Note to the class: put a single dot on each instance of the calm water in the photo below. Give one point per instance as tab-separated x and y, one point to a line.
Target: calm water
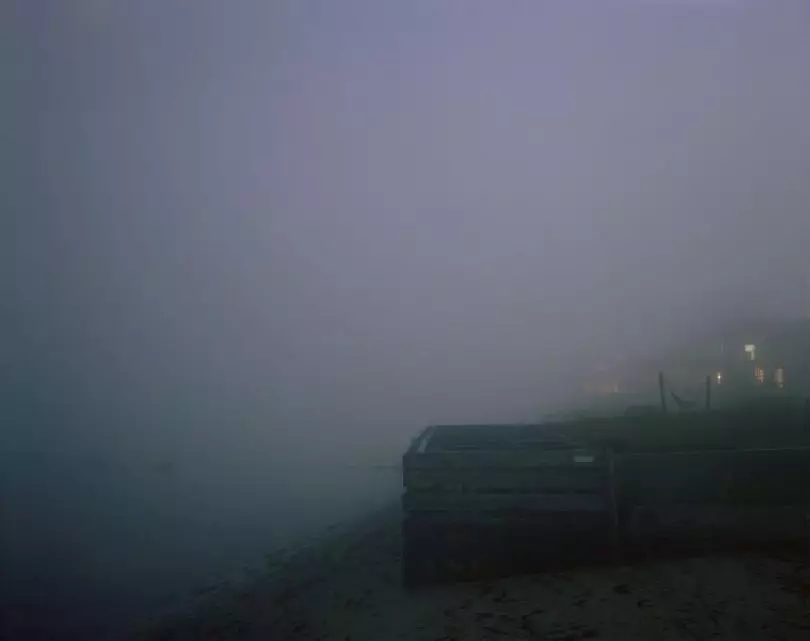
90	543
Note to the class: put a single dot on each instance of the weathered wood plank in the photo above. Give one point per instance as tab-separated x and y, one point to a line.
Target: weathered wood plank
461	502
764	476
503	459
741	523
524	478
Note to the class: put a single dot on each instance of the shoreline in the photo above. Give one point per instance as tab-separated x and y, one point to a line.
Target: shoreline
346	585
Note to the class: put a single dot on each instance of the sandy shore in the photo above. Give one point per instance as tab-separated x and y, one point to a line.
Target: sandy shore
347	587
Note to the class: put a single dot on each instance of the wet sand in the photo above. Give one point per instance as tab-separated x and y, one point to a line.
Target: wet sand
346	586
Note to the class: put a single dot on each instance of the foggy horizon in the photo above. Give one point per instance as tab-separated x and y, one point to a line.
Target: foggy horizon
276	234
332	213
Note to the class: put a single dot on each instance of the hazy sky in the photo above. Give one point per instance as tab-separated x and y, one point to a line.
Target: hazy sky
308	215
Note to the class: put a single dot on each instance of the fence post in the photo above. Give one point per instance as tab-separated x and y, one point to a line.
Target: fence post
614	505
661	390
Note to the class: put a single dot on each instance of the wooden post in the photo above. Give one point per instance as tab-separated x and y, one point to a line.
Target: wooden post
708	392
614	506
661	390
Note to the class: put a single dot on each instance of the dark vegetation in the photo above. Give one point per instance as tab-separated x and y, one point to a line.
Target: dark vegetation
772	423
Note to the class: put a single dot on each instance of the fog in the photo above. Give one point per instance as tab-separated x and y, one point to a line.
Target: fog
251	248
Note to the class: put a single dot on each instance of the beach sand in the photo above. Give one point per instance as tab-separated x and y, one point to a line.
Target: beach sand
346	586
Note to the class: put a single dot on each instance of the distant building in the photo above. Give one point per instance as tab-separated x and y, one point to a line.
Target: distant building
769	354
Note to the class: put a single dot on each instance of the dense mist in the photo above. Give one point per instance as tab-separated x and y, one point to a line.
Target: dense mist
251	246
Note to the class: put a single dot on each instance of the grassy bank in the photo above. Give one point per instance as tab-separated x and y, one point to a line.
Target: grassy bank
773	424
